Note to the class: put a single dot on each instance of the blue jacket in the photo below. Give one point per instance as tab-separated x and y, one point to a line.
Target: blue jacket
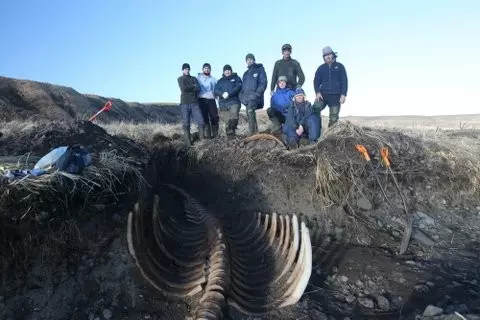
331	79
298	114
207	85
254	84
282	99
232	85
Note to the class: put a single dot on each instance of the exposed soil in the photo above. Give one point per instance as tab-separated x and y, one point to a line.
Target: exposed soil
357	273
31	100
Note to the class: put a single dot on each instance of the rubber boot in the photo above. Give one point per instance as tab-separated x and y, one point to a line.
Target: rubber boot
292	144
275	125
252	122
207	131
201	135
187	139
214	131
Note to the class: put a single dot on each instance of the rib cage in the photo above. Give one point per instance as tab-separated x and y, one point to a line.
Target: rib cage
255	262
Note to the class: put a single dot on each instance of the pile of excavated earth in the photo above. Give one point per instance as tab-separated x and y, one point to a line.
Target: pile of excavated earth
398	243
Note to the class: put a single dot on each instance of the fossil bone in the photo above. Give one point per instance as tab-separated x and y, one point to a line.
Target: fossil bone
255	262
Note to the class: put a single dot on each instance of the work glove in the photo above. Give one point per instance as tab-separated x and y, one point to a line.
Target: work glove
299	130
225	95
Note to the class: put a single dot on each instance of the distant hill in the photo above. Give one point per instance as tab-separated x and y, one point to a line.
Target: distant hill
32	100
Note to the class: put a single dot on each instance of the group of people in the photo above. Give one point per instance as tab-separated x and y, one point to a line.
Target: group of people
290	113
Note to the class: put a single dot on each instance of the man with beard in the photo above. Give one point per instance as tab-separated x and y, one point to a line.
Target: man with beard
331	85
254	84
289	68
227	89
189	88
207	102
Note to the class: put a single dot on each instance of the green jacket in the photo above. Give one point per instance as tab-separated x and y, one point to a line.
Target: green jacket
189	88
291	69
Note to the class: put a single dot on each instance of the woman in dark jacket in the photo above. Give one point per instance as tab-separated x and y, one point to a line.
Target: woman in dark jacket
227	90
302	121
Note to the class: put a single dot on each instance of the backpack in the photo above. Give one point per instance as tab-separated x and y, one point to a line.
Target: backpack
70	159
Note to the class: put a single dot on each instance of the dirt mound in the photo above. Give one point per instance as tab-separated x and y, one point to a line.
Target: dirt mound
31	100
355	233
44	212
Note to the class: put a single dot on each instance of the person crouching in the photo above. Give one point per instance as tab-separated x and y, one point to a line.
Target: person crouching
279	103
301	121
227	90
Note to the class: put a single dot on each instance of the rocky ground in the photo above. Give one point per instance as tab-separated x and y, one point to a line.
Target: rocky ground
358	278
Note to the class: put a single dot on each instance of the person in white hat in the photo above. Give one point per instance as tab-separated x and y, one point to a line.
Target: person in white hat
330	85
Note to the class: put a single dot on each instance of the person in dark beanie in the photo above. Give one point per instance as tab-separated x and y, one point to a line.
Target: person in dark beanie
331	85
254	84
189	88
206	101
227	90
289	68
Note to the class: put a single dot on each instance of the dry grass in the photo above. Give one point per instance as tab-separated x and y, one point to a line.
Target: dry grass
42	212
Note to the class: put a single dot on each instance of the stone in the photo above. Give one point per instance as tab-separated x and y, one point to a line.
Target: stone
364	204
107	314
383	303
367	303
343	279
432	311
424	218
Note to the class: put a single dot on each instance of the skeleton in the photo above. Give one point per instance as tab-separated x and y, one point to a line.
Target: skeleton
252	263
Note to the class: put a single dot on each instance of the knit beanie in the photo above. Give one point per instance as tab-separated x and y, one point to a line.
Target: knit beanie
227	67
185	66
206	65
250	56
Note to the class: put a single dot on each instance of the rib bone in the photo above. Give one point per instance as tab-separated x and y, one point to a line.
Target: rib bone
255	262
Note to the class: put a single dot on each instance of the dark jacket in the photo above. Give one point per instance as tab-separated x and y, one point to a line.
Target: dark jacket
298	114
254	84
189	88
232	85
281	100
331	79
289	68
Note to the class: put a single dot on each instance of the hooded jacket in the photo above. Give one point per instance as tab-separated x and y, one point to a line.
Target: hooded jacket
282	99
207	86
254	84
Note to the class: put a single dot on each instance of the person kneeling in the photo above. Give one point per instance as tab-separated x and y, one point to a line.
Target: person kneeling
227	90
301	121
279	103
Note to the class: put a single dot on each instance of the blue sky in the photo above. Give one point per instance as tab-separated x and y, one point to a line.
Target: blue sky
402	57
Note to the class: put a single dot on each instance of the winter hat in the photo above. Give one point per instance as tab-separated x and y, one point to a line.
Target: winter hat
299	92
282	78
327	50
227	67
185	66
250	56
287	46
206	65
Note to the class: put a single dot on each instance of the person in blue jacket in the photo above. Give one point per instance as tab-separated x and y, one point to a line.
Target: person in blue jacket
227	90
330	84
254	84
279	103
301	121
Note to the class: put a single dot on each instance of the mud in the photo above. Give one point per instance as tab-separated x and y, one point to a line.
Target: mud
357	273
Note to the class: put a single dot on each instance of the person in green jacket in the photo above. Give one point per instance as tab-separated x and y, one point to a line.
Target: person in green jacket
289	68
